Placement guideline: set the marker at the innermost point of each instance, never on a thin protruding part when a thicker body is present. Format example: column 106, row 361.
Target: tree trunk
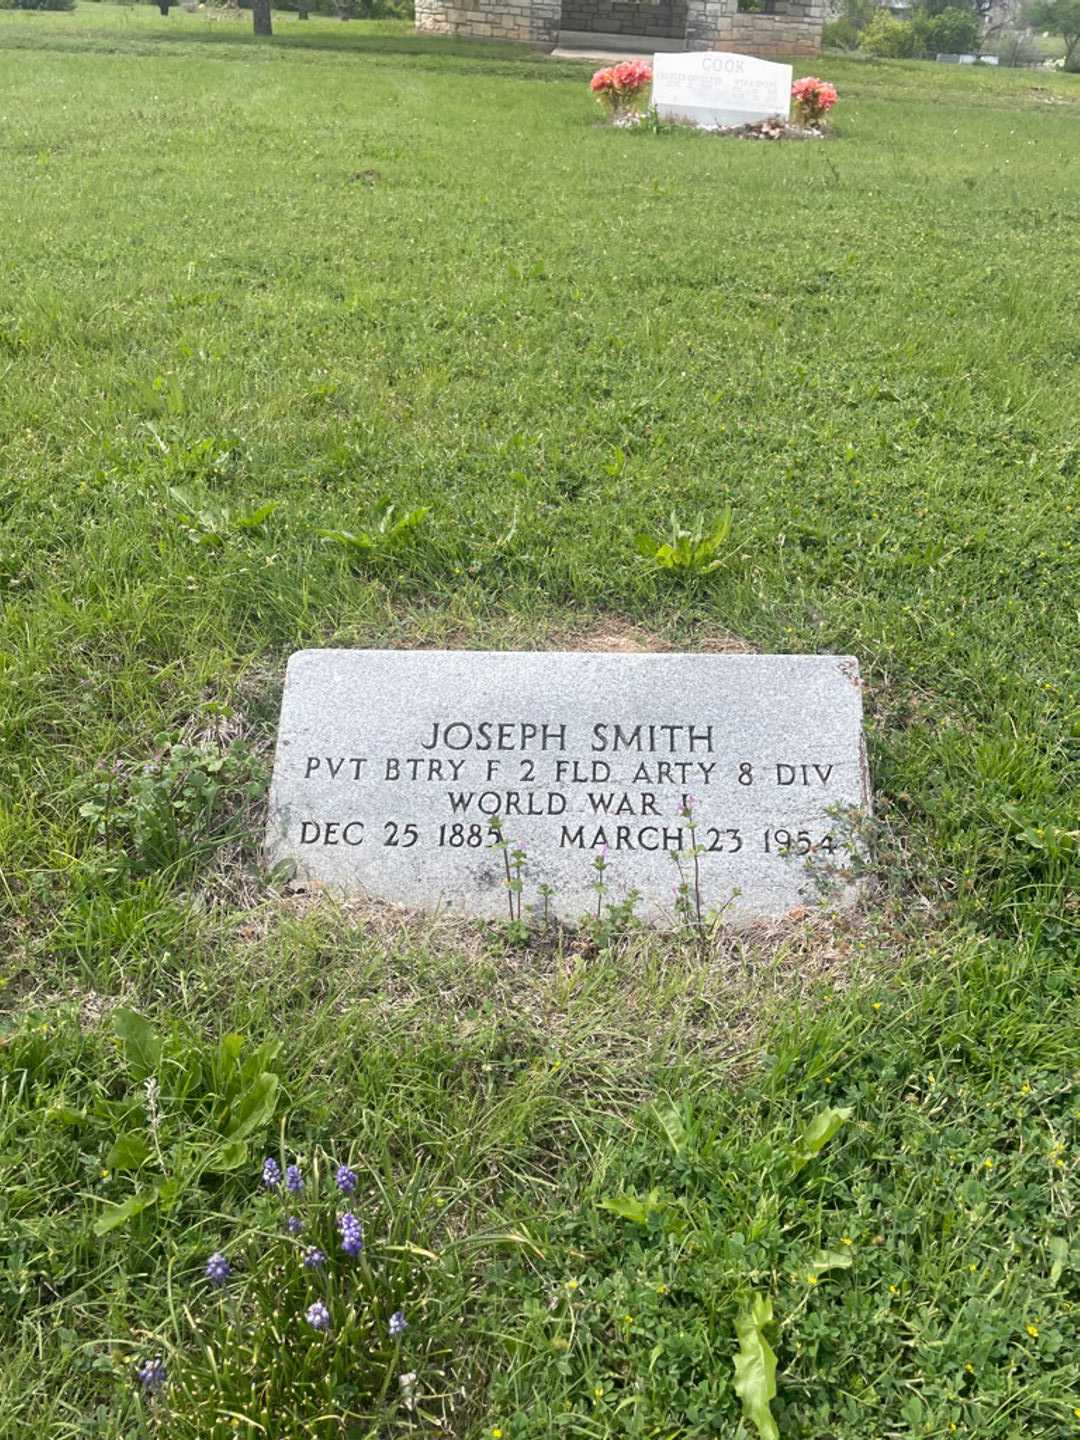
column 260, row 17
column 163, row 6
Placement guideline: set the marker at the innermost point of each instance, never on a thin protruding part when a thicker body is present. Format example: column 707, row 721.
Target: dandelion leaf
column 142, row 1048
column 633, row 1207
column 671, row 1122
column 826, row 1260
column 118, row 1215
column 128, row 1152
column 755, row 1366
column 817, row 1135
column 255, row 1107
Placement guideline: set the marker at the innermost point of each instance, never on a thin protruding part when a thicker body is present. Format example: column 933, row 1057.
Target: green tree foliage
column 842, row 34
column 931, row 8
column 949, row 31
column 1060, row 17
column 852, row 17
column 952, row 31
column 888, row 37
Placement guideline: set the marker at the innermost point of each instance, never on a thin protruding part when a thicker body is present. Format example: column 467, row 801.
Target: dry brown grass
column 648, row 997
column 419, row 628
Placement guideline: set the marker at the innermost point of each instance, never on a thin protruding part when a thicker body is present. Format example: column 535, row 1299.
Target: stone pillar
column 546, row 19
column 709, row 23
column 535, row 22
column 793, row 28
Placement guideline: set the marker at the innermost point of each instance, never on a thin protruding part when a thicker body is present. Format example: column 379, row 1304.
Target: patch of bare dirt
column 418, row 629
column 615, row 633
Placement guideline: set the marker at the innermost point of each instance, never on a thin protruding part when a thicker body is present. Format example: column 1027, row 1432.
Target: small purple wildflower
column 271, row 1174
column 294, row 1180
column 352, row 1234
column 397, row 1324
column 314, row 1257
column 293, row 1224
column 318, row 1316
column 346, row 1179
column 152, row 1375
column 218, row 1269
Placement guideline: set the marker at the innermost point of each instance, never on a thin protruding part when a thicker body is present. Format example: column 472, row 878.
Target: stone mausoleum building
column 773, row 29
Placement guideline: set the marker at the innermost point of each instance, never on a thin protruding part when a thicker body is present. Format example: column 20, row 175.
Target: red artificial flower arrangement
column 814, row 99
column 619, row 87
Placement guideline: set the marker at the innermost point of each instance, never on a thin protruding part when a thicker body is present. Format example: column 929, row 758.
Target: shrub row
column 952, row 31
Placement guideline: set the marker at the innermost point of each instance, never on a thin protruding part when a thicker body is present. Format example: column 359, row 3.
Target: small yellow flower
column 1025, row 1088
column 970, row 1368
column 988, row 1164
column 846, row 1240
column 628, row 1319
column 973, row 1268
column 811, row 1279
column 1076, row 1412
column 496, row 1432
column 661, row 1289
column 571, row 1284
column 1033, row 1331
column 894, row 1289
column 598, row 1392
column 877, row 1004
column 931, row 1079
column 952, row 1427
column 104, row 1174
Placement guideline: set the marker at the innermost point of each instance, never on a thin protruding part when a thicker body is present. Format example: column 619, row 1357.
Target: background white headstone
column 712, row 87
column 390, row 764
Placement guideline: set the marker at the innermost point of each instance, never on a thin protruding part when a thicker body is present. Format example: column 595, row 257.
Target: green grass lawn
column 349, row 264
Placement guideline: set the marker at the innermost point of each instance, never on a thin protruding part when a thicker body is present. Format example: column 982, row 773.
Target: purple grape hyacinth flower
column 271, row 1174
column 314, row 1257
column 352, row 1234
column 218, row 1268
column 293, row 1224
column 346, row 1179
column 152, row 1375
column 318, row 1316
column 294, row 1180
column 398, row 1324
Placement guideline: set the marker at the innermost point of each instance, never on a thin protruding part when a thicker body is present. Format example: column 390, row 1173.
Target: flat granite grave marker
column 390, row 765
column 711, row 87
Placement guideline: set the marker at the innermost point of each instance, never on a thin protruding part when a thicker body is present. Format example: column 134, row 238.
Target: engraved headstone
column 390, row 766
column 714, row 88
